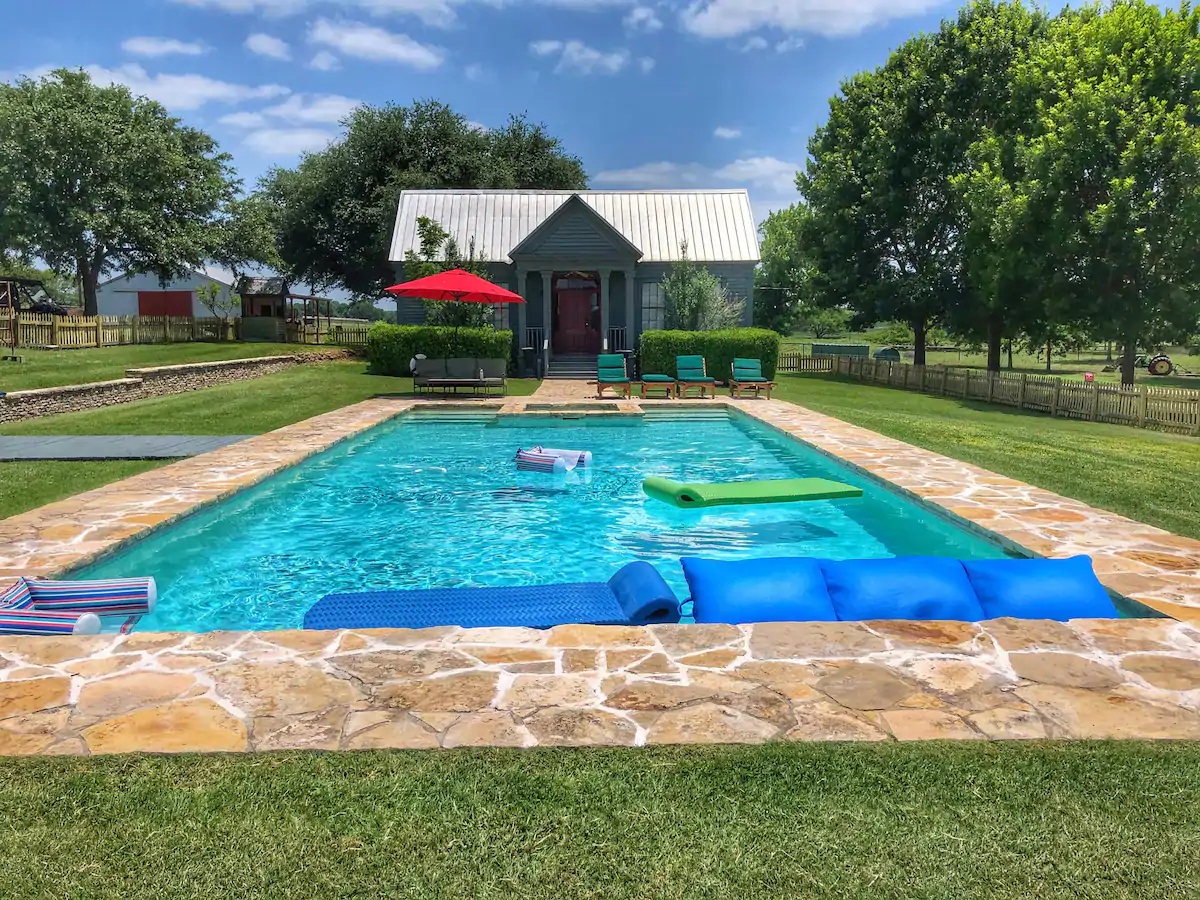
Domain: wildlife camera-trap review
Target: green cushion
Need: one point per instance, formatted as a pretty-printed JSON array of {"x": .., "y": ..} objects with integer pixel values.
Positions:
[
  {"x": 611, "y": 361},
  {"x": 783, "y": 490},
  {"x": 659, "y": 379},
  {"x": 747, "y": 370},
  {"x": 696, "y": 377},
  {"x": 612, "y": 378}
]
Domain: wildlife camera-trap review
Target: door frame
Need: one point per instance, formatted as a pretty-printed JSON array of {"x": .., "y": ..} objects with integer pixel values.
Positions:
[{"x": 580, "y": 275}]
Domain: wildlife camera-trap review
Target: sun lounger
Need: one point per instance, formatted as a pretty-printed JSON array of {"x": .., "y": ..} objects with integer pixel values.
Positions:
[
  {"x": 690, "y": 373},
  {"x": 635, "y": 595},
  {"x": 611, "y": 373},
  {"x": 748, "y": 376}
]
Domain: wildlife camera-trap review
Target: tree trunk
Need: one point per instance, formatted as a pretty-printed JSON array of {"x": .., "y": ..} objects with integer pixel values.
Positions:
[
  {"x": 1108, "y": 351},
  {"x": 1010, "y": 353},
  {"x": 89, "y": 279},
  {"x": 1049, "y": 348},
  {"x": 995, "y": 328},
  {"x": 1128, "y": 353},
  {"x": 919, "y": 327}
]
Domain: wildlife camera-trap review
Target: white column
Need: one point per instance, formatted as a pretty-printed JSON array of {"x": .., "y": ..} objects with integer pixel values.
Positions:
[
  {"x": 546, "y": 330},
  {"x": 518, "y": 289},
  {"x": 605, "y": 277},
  {"x": 630, "y": 325}
]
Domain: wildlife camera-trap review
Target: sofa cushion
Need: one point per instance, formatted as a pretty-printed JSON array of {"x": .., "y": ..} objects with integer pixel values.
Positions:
[
  {"x": 909, "y": 587},
  {"x": 1058, "y": 589},
  {"x": 462, "y": 368},
  {"x": 787, "y": 589}
]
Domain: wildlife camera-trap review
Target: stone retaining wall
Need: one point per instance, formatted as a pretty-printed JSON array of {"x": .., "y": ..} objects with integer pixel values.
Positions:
[{"x": 151, "y": 382}]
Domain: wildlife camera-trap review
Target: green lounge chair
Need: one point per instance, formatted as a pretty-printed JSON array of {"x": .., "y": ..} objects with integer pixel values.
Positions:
[
  {"x": 689, "y": 373},
  {"x": 663, "y": 383},
  {"x": 748, "y": 376},
  {"x": 610, "y": 373}
]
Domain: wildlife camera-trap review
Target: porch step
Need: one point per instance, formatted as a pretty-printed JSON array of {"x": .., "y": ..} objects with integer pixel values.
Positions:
[{"x": 572, "y": 366}]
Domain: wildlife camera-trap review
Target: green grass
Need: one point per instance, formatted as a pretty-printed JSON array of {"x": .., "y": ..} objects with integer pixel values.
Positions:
[
  {"x": 252, "y": 406},
  {"x": 1110, "y": 820},
  {"x": 1146, "y": 475},
  {"x": 49, "y": 368}
]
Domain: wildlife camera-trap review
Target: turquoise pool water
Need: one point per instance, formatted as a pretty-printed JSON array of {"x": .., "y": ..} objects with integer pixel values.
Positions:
[{"x": 435, "y": 500}]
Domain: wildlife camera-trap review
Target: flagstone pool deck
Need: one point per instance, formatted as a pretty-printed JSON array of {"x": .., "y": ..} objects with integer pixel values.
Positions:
[{"x": 585, "y": 685}]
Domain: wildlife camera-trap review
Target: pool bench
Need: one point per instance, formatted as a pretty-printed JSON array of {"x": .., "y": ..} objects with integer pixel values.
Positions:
[{"x": 461, "y": 372}]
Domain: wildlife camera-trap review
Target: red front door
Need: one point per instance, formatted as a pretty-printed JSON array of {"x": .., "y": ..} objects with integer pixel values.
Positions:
[{"x": 577, "y": 320}]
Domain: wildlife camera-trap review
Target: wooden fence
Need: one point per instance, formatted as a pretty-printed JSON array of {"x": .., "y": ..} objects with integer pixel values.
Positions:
[
  {"x": 1169, "y": 409},
  {"x": 799, "y": 362},
  {"x": 43, "y": 330}
]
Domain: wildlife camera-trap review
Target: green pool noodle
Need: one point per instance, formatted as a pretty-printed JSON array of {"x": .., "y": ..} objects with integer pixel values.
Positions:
[{"x": 732, "y": 493}]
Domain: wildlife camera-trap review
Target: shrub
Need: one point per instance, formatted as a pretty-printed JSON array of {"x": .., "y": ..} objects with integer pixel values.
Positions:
[
  {"x": 391, "y": 347},
  {"x": 719, "y": 348}
]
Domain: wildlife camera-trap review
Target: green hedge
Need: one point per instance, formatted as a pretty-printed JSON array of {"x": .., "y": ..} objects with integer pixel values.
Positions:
[
  {"x": 391, "y": 347},
  {"x": 719, "y": 348}
]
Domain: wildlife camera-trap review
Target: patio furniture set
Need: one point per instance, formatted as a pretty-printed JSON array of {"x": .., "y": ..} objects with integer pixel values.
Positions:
[{"x": 691, "y": 372}]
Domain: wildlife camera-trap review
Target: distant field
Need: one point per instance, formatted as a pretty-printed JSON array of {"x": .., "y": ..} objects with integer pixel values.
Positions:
[
  {"x": 51, "y": 368},
  {"x": 1072, "y": 365}
]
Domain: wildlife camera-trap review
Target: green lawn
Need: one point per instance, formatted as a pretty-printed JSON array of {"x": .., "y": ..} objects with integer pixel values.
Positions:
[
  {"x": 1146, "y": 475},
  {"x": 49, "y": 368},
  {"x": 1077, "y": 820},
  {"x": 252, "y": 406}
]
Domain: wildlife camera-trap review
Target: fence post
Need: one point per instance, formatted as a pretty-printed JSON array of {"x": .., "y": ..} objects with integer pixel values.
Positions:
[
  {"x": 991, "y": 386},
  {"x": 1021, "y": 391},
  {"x": 167, "y": 336},
  {"x": 193, "y": 319},
  {"x": 1143, "y": 402},
  {"x": 1095, "y": 400},
  {"x": 945, "y": 377},
  {"x": 1057, "y": 393},
  {"x": 966, "y": 384},
  {"x": 1196, "y": 410},
  {"x": 135, "y": 336},
  {"x": 54, "y": 331},
  {"x": 99, "y": 332}
]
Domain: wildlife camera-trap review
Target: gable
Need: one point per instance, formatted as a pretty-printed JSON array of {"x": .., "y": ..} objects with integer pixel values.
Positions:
[{"x": 575, "y": 231}]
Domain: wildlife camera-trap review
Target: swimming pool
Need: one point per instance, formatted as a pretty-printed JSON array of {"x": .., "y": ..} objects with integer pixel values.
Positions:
[{"x": 433, "y": 499}]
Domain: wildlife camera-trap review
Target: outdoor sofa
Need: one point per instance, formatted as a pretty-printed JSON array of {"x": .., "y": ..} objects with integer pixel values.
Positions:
[{"x": 461, "y": 372}]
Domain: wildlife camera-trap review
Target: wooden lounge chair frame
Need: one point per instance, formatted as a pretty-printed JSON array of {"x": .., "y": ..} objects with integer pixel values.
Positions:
[{"x": 747, "y": 376}]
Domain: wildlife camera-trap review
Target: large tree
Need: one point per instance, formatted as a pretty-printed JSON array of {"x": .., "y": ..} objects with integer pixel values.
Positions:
[
  {"x": 882, "y": 230},
  {"x": 1115, "y": 167},
  {"x": 781, "y": 281},
  {"x": 338, "y": 207},
  {"x": 93, "y": 179},
  {"x": 245, "y": 235}
]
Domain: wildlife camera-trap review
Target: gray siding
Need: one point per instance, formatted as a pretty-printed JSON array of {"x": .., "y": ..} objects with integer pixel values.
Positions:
[
  {"x": 575, "y": 235},
  {"x": 738, "y": 278}
]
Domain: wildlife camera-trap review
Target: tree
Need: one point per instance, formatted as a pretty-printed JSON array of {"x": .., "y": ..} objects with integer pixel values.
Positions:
[
  {"x": 360, "y": 308},
  {"x": 881, "y": 233},
  {"x": 1116, "y": 167},
  {"x": 695, "y": 298},
  {"x": 781, "y": 281},
  {"x": 824, "y": 323},
  {"x": 439, "y": 253},
  {"x": 338, "y": 207},
  {"x": 93, "y": 179},
  {"x": 61, "y": 289},
  {"x": 245, "y": 235},
  {"x": 218, "y": 300}
]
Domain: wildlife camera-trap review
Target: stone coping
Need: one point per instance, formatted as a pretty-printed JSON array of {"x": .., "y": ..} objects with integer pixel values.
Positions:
[{"x": 580, "y": 685}]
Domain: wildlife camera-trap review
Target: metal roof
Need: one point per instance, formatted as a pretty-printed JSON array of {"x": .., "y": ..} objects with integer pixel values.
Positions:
[
  {"x": 717, "y": 225},
  {"x": 262, "y": 286}
]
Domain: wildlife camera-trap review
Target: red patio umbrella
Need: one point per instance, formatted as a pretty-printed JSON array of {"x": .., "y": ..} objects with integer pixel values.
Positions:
[{"x": 456, "y": 285}]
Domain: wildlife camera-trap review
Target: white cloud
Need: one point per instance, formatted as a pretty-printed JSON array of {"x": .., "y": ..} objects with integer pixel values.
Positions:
[
  {"x": 756, "y": 42},
  {"x": 725, "y": 133},
  {"x": 643, "y": 18},
  {"x": 179, "y": 92},
  {"x": 730, "y": 18},
  {"x": 578, "y": 57},
  {"x": 155, "y": 46},
  {"x": 244, "y": 120},
  {"x": 298, "y": 109},
  {"x": 646, "y": 63},
  {"x": 324, "y": 61},
  {"x": 430, "y": 12},
  {"x": 478, "y": 126},
  {"x": 475, "y": 72},
  {"x": 766, "y": 173},
  {"x": 268, "y": 46},
  {"x": 789, "y": 44},
  {"x": 375, "y": 44},
  {"x": 287, "y": 142}
]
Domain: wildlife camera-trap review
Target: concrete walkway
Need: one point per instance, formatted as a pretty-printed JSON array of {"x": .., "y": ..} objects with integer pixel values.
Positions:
[
  {"x": 112, "y": 446},
  {"x": 558, "y": 389}
]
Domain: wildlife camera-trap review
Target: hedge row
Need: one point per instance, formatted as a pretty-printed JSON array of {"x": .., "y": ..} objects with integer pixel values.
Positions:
[
  {"x": 719, "y": 348},
  {"x": 391, "y": 347}
]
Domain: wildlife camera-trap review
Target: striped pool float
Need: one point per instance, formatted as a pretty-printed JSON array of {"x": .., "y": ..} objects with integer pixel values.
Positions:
[
  {"x": 34, "y": 606},
  {"x": 535, "y": 461}
]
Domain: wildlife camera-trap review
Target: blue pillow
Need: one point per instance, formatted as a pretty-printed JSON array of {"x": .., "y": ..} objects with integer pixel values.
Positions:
[
  {"x": 908, "y": 587},
  {"x": 1058, "y": 589},
  {"x": 789, "y": 589}
]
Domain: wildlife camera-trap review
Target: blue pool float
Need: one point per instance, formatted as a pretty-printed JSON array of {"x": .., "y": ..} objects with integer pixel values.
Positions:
[
  {"x": 797, "y": 589},
  {"x": 635, "y": 595}
]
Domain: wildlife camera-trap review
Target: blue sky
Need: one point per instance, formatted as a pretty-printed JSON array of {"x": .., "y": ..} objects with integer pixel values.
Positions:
[{"x": 711, "y": 93}]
